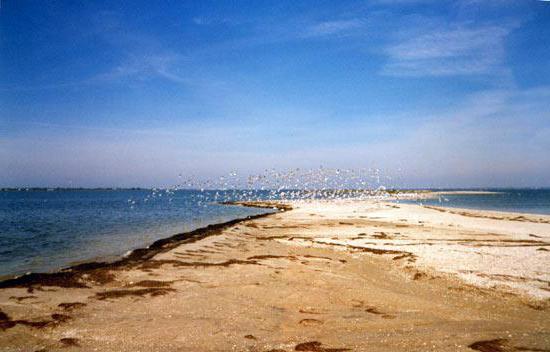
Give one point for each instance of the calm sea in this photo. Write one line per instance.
(536, 201)
(43, 231)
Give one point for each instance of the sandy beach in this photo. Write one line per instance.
(316, 276)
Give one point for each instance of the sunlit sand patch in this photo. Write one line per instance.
(480, 249)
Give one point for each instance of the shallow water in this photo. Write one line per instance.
(43, 231)
(536, 201)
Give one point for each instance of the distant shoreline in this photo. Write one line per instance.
(468, 192)
(57, 189)
(488, 190)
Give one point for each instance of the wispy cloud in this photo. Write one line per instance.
(144, 67)
(136, 67)
(455, 50)
(336, 27)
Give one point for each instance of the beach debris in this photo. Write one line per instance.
(496, 345)
(310, 322)
(113, 294)
(71, 305)
(316, 346)
(6, 322)
(69, 341)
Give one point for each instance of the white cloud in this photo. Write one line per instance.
(143, 67)
(455, 50)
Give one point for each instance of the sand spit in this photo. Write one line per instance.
(466, 192)
(506, 251)
(319, 276)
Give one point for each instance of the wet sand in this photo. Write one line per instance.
(322, 276)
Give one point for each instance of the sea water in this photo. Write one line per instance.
(43, 231)
(536, 201)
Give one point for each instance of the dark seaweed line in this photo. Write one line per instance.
(73, 275)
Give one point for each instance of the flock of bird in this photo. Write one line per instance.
(294, 184)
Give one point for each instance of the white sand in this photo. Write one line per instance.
(486, 249)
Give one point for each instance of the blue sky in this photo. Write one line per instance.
(116, 93)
